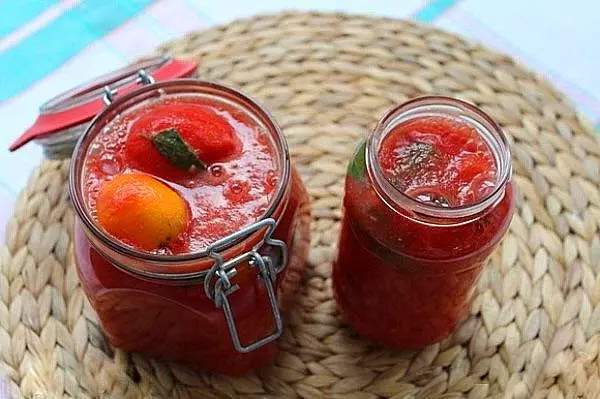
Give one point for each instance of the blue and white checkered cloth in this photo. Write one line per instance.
(48, 46)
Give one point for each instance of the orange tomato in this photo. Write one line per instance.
(141, 211)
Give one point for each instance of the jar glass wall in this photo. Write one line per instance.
(160, 304)
(406, 269)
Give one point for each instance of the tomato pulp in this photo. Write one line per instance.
(238, 184)
(438, 160)
(404, 278)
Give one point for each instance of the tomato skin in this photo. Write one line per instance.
(142, 211)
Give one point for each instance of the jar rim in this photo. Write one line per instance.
(439, 105)
(125, 102)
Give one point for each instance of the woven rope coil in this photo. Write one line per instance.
(534, 330)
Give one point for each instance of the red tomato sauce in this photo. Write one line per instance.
(400, 279)
(232, 192)
(438, 160)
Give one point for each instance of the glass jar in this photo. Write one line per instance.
(407, 270)
(219, 309)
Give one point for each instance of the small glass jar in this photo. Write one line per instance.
(219, 309)
(407, 270)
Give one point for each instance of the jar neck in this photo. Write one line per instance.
(185, 266)
(439, 106)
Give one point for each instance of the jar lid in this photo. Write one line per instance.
(82, 103)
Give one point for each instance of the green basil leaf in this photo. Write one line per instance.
(171, 145)
(358, 165)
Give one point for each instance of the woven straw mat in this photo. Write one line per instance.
(534, 329)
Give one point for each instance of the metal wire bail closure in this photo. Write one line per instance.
(110, 93)
(218, 286)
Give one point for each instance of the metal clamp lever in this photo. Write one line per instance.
(223, 271)
(109, 93)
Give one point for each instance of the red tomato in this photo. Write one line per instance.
(206, 132)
